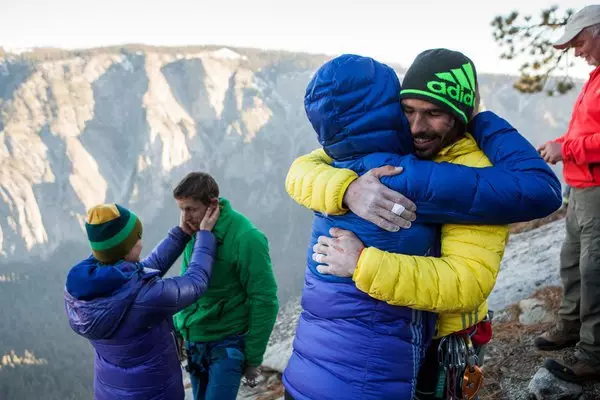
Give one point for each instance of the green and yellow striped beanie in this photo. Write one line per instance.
(112, 231)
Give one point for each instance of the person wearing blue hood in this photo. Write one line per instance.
(350, 345)
(124, 307)
(356, 341)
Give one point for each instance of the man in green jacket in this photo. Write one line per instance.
(227, 329)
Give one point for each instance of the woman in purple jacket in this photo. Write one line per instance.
(124, 307)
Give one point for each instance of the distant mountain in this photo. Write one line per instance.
(125, 124)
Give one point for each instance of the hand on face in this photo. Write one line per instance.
(186, 226)
(194, 213)
(210, 218)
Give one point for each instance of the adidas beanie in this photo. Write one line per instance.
(112, 231)
(444, 77)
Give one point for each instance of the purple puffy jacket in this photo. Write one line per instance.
(126, 309)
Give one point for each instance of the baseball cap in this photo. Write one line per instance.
(587, 16)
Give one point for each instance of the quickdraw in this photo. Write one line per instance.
(473, 376)
(459, 376)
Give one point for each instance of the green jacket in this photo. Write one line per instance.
(242, 292)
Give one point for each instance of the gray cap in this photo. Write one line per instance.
(587, 16)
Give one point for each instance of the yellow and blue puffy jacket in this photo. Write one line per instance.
(519, 187)
(355, 125)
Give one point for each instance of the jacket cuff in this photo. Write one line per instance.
(205, 240)
(179, 234)
(560, 140)
(253, 363)
(363, 274)
(564, 151)
(340, 201)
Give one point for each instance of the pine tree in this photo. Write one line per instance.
(527, 39)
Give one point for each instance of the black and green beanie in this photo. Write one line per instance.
(444, 77)
(112, 231)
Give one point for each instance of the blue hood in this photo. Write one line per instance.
(98, 296)
(353, 103)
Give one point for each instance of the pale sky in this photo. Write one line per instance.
(390, 31)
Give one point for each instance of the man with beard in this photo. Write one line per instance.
(439, 99)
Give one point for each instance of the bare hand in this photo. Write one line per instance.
(185, 226)
(373, 201)
(210, 218)
(251, 374)
(551, 152)
(340, 253)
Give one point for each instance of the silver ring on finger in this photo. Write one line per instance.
(398, 209)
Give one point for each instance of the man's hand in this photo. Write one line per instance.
(551, 152)
(251, 374)
(340, 253)
(371, 200)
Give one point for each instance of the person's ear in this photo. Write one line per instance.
(214, 202)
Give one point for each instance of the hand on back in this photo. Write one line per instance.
(371, 200)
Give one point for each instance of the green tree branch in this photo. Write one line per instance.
(523, 38)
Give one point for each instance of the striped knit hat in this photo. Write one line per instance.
(112, 231)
